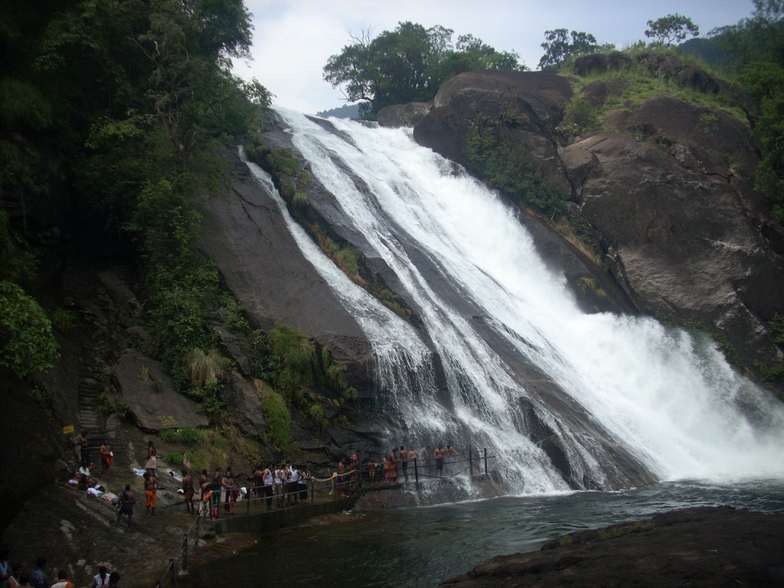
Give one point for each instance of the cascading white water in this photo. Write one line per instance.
(469, 268)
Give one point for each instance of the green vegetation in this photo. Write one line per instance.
(174, 458)
(184, 435)
(277, 415)
(636, 83)
(26, 341)
(297, 365)
(408, 64)
(506, 165)
(579, 118)
(120, 109)
(41, 397)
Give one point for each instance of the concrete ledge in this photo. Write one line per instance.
(273, 520)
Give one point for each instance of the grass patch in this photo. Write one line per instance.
(185, 435)
(642, 85)
(277, 415)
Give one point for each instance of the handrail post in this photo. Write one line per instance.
(173, 575)
(198, 531)
(184, 564)
(416, 472)
(470, 463)
(485, 461)
(312, 490)
(248, 498)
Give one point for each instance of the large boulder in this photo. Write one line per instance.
(403, 115)
(547, 93)
(154, 405)
(677, 239)
(243, 402)
(517, 112)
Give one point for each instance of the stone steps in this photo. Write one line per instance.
(98, 426)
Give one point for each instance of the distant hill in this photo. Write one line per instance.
(708, 50)
(347, 111)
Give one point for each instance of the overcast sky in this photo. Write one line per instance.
(293, 39)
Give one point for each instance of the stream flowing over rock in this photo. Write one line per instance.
(681, 229)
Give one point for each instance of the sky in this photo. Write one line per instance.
(293, 39)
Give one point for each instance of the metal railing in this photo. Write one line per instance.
(317, 489)
(178, 562)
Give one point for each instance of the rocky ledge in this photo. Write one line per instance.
(705, 546)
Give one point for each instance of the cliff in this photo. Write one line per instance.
(655, 188)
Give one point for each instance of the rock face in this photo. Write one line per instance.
(245, 235)
(665, 190)
(678, 241)
(147, 389)
(403, 115)
(691, 547)
(243, 401)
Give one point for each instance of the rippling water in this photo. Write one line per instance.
(418, 547)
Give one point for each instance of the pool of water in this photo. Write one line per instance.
(418, 547)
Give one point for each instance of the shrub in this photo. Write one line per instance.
(506, 166)
(202, 367)
(26, 341)
(182, 435)
(41, 397)
(580, 117)
(276, 414)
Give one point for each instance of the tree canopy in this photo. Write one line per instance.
(114, 110)
(558, 46)
(408, 64)
(671, 29)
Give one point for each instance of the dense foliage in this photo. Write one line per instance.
(755, 47)
(408, 64)
(26, 341)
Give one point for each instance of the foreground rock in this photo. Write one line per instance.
(691, 547)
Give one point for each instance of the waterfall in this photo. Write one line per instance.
(609, 391)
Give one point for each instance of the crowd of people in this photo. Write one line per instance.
(14, 575)
(284, 483)
(400, 464)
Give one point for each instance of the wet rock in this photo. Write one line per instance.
(697, 547)
(403, 115)
(243, 401)
(153, 403)
(245, 235)
(680, 242)
(235, 349)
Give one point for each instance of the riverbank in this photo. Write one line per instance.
(704, 546)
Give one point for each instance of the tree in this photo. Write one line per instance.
(758, 38)
(757, 47)
(671, 29)
(557, 47)
(408, 64)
